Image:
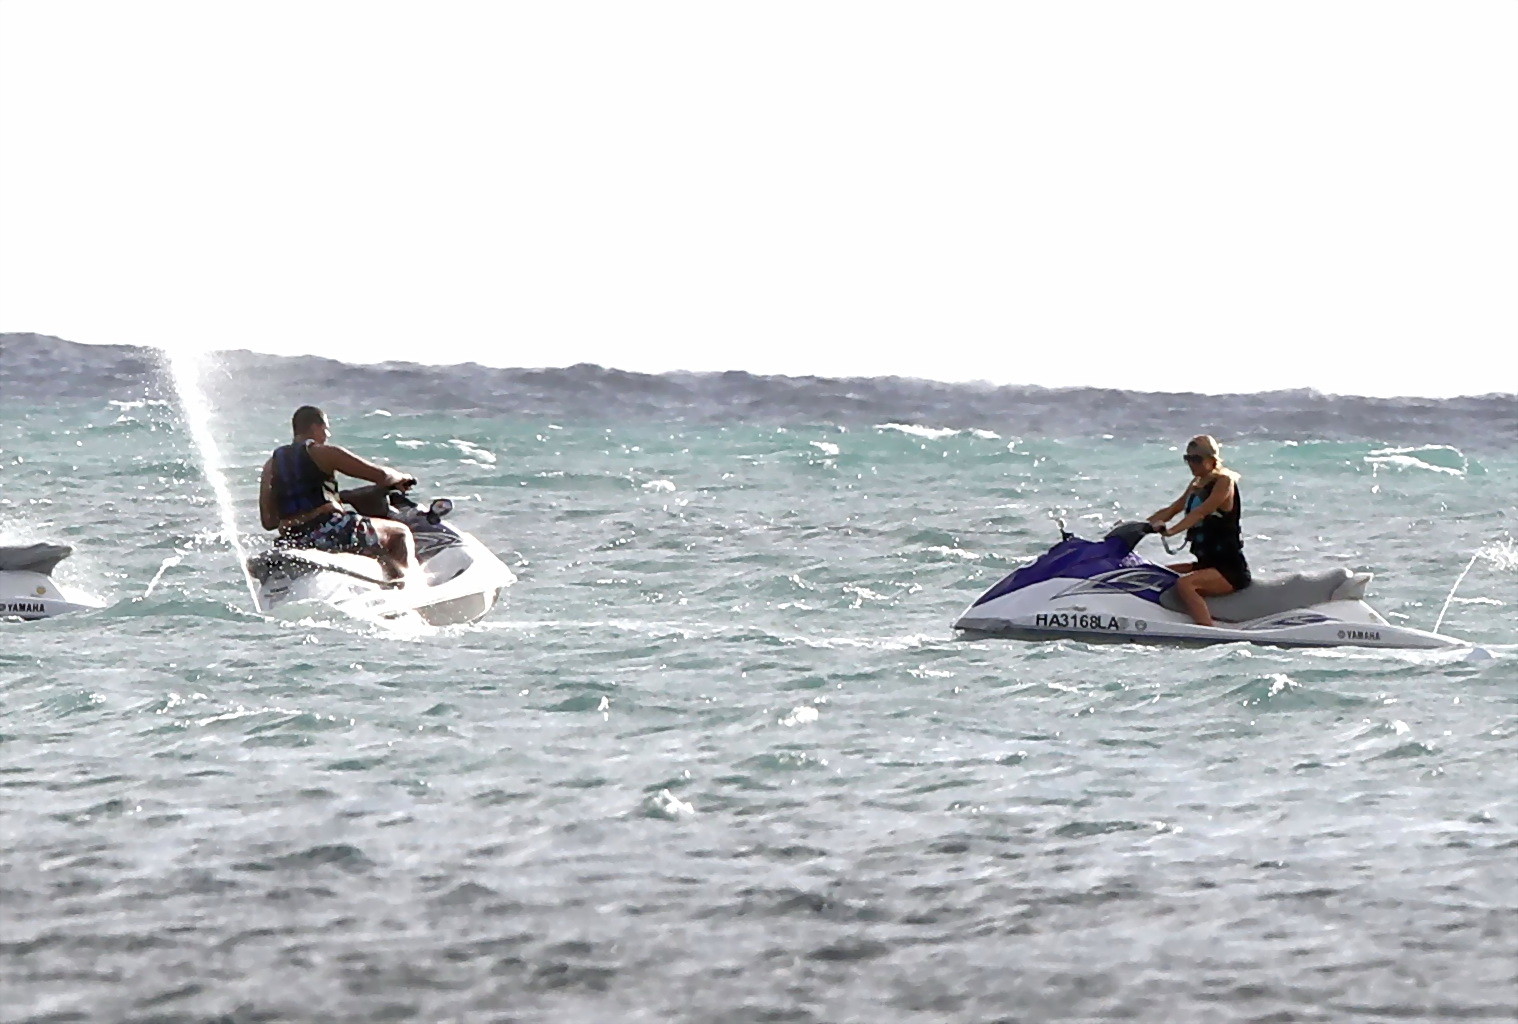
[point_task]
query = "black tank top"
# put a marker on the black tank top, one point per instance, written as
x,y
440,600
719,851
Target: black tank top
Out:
x,y
1217,538
300,482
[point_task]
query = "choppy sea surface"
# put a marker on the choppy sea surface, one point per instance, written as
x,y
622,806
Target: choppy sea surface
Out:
x,y
718,756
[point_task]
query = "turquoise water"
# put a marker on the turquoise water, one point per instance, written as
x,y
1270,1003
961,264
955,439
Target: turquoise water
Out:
x,y
717,756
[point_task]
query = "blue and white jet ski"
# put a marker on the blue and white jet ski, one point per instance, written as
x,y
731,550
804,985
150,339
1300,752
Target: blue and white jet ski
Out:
x,y
1101,590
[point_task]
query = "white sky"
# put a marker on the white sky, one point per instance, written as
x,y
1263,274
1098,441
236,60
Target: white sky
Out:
x,y
1208,196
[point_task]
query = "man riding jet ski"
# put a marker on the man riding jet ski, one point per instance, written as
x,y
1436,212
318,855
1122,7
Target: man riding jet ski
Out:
x,y
383,557
457,579
1102,590
298,496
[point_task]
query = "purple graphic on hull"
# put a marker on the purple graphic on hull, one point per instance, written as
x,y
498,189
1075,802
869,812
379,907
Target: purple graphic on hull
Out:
x,y
1076,559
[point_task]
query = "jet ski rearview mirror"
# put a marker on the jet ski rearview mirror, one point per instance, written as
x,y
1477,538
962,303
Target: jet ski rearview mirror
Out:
x,y
440,507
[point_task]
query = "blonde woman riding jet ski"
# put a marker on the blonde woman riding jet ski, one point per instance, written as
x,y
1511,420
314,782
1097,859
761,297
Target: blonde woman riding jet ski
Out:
x,y
1209,509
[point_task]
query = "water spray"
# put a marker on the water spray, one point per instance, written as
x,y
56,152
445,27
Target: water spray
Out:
x,y
1451,595
1502,555
184,368
167,564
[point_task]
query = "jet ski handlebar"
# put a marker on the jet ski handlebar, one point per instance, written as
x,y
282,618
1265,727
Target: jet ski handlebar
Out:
x,y
1130,533
372,500
377,501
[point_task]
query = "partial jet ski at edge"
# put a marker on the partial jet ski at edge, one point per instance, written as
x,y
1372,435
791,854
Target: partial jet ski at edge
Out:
x,y
27,587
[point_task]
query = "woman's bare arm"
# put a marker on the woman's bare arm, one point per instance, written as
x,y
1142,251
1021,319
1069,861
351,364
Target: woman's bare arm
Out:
x,y
1222,494
1167,513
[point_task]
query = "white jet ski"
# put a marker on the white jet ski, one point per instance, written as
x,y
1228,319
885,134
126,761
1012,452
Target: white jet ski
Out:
x,y
1101,590
459,579
27,587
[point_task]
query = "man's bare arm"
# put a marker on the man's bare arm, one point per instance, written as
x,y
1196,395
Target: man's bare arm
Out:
x,y
268,506
336,459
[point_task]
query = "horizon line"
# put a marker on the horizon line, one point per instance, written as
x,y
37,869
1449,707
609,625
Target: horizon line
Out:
x,y
976,383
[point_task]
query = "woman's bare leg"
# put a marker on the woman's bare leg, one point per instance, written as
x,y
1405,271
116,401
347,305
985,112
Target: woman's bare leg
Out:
x,y
1195,587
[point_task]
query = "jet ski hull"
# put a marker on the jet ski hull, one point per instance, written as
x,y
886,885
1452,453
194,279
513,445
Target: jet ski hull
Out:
x,y
295,581
1109,627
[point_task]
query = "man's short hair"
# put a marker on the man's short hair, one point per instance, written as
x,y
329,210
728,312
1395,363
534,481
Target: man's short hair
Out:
x,y
306,417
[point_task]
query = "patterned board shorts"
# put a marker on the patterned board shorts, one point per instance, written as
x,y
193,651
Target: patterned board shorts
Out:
x,y
340,531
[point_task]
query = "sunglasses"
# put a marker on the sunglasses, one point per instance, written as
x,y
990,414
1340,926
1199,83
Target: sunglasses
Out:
x,y
1196,460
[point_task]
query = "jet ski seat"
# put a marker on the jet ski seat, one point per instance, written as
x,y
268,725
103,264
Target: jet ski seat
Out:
x,y
43,558
1270,597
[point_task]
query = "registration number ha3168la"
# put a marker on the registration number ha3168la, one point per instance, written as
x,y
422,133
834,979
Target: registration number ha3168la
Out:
x,y
1077,620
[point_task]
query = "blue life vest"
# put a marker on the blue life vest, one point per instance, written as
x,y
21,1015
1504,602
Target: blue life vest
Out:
x,y
299,482
1217,538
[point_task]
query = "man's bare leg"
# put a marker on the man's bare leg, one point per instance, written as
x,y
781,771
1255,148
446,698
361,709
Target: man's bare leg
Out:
x,y
400,549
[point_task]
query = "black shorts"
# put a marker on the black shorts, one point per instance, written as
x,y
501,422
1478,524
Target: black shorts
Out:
x,y
1234,570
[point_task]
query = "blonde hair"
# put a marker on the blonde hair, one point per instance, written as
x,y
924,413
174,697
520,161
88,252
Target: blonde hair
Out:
x,y
1206,444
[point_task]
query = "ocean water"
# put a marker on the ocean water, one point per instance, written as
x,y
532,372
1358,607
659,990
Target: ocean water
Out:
x,y
717,756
